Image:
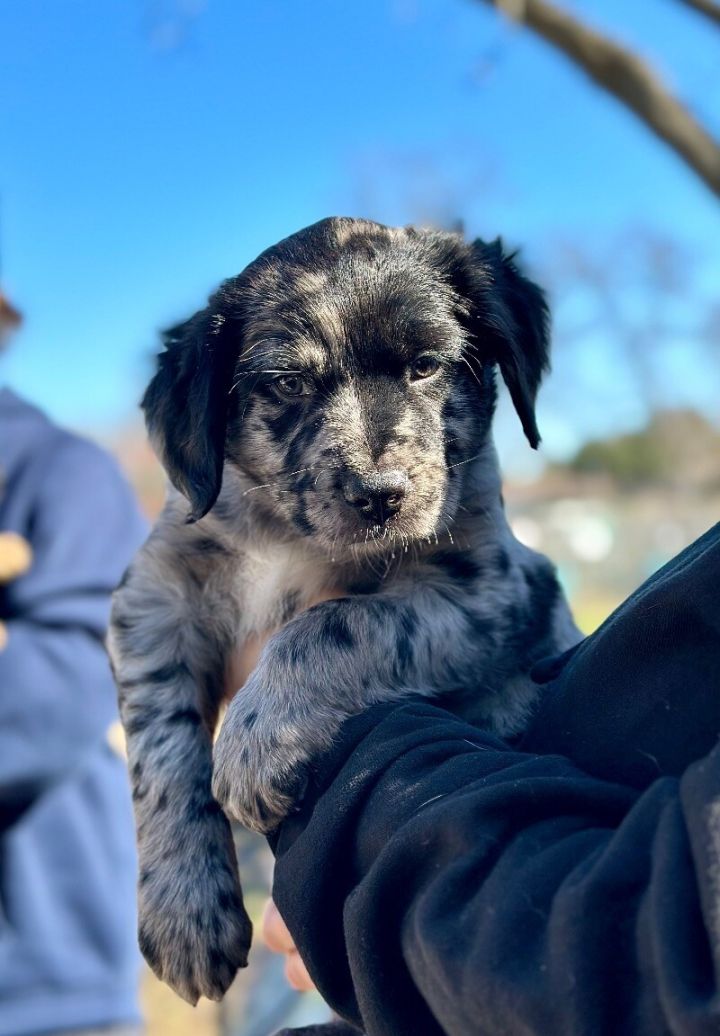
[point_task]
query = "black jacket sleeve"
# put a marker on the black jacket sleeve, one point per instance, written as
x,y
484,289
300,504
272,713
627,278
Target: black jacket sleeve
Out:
x,y
437,880
446,884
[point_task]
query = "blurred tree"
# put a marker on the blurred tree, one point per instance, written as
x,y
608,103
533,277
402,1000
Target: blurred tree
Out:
x,y
627,77
638,297
677,447
429,186
168,24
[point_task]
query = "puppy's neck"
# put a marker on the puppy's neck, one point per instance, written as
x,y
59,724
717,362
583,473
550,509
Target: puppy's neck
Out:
x,y
481,503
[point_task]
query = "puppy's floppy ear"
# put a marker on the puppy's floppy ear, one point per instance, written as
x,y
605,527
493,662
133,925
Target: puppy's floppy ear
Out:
x,y
186,403
510,317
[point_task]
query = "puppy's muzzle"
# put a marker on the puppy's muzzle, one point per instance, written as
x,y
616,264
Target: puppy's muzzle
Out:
x,y
377,497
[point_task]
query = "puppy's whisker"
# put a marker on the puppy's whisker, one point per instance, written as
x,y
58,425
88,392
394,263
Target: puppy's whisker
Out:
x,y
279,480
247,401
467,363
449,534
467,460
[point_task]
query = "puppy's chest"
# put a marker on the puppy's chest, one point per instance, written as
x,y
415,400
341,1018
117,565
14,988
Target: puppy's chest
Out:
x,y
275,583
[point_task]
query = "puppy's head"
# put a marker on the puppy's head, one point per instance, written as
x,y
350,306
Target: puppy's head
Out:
x,y
348,373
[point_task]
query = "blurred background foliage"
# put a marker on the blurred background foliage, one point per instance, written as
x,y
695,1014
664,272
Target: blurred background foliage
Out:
x,y
152,147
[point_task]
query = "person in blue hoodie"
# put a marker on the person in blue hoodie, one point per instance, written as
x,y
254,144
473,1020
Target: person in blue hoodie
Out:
x,y
68,955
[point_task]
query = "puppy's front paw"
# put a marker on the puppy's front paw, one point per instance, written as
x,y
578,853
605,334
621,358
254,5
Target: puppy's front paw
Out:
x,y
194,931
253,784
260,761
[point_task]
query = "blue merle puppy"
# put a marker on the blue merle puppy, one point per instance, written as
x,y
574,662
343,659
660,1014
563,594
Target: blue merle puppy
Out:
x,y
325,424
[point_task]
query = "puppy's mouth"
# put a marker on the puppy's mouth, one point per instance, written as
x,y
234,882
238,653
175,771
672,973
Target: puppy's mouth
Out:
x,y
382,513
352,515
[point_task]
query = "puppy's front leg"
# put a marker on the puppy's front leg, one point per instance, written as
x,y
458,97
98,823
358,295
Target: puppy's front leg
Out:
x,y
193,929
325,665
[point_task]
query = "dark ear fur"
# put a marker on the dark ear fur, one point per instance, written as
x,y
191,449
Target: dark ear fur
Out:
x,y
510,318
186,404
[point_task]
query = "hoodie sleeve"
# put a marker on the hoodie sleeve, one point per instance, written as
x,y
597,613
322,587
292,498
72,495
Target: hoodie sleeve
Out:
x,y
57,697
439,882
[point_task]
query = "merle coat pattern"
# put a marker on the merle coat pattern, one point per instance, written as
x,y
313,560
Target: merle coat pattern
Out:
x,y
325,423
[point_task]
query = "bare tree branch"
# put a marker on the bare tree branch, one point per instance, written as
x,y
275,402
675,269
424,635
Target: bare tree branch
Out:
x,y
627,77
710,9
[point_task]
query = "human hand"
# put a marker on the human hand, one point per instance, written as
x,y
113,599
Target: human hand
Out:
x,y
15,556
277,938
15,559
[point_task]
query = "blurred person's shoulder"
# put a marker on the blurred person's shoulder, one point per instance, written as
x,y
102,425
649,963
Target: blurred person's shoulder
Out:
x,y
24,428
26,432
38,453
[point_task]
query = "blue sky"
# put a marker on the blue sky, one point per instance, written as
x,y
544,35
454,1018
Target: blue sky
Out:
x,y
150,149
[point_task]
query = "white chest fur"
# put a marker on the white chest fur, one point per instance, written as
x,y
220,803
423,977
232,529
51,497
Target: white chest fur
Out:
x,y
276,580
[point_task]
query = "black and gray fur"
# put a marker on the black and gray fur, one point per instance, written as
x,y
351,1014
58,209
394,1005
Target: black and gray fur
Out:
x,y
325,423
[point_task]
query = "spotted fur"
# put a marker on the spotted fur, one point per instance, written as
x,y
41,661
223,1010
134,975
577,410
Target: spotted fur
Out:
x,y
325,424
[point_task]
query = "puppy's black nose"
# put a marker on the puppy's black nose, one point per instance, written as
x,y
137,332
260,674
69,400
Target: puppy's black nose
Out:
x,y
377,497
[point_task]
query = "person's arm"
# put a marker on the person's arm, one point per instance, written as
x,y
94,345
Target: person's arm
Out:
x,y
57,696
437,880
442,883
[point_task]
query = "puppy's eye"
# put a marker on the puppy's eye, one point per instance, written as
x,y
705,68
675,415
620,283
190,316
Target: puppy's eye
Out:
x,y
292,385
424,366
